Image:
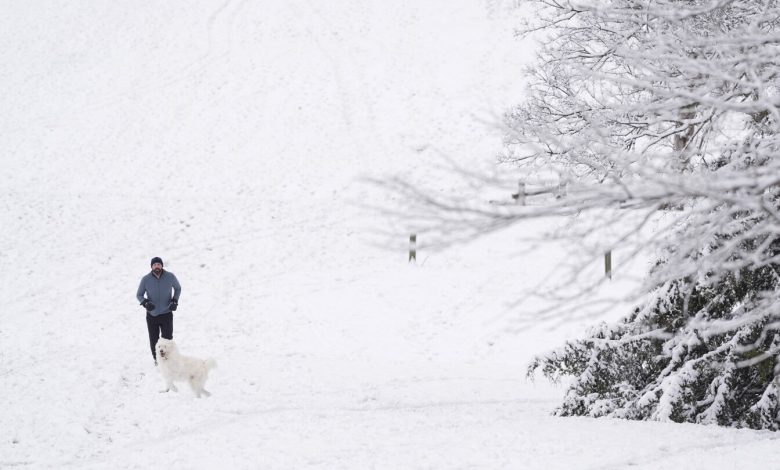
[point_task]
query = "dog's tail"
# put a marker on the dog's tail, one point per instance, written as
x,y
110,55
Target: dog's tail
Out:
x,y
210,363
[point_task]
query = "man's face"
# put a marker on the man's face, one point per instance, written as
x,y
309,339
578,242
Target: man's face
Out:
x,y
157,268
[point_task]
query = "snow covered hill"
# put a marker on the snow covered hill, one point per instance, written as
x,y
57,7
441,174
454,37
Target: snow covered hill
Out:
x,y
229,137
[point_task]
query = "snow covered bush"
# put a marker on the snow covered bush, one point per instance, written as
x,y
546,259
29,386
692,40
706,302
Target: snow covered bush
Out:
x,y
699,351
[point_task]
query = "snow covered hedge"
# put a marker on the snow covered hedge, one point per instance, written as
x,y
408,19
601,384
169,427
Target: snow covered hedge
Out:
x,y
697,352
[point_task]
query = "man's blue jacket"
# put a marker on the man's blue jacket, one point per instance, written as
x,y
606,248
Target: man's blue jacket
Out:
x,y
159,291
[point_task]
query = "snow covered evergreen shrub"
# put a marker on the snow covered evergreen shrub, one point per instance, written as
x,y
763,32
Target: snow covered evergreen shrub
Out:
x,y
699,351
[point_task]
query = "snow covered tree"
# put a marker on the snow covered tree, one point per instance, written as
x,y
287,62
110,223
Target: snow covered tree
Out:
x,y
661,113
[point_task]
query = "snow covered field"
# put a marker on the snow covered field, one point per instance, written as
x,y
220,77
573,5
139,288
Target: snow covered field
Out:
x,y
229,137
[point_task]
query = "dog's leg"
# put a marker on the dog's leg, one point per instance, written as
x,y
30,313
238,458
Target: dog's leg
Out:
x,y
169,386
197,384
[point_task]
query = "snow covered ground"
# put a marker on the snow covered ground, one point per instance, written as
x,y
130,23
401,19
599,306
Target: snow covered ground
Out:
x,y
229,137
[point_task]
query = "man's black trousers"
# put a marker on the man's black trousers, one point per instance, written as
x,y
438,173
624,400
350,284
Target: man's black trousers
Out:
x,y
161,325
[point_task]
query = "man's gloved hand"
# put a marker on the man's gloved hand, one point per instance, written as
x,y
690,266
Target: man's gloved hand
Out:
x,y
149,306
173,305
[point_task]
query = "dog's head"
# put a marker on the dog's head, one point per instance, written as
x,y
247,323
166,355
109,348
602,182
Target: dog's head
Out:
x,y
166,348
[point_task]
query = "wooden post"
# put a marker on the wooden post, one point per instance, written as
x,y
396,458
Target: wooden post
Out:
x,y
520,196
608,264
560,191
413,248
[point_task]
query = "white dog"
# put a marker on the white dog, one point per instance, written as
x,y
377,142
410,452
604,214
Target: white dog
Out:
x,y
176,367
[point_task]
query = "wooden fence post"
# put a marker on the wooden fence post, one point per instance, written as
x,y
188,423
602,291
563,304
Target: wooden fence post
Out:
x,y
519,197
560,191
413,248
608,264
